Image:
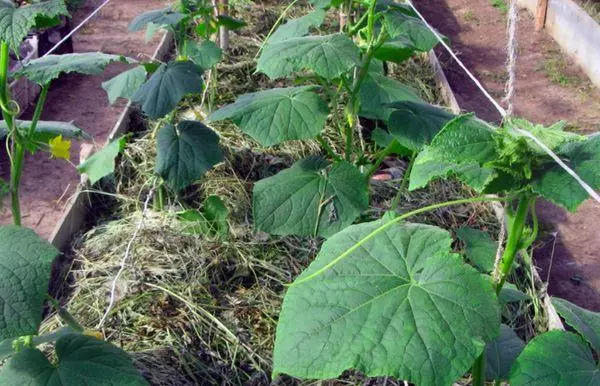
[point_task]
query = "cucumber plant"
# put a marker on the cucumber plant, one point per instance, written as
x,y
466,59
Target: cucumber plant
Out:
x,y
81,356
185,149
321,196
387,297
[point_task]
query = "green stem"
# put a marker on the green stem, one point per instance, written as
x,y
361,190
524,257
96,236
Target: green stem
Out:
x,y
513,242
478,371
405,179
513,245
39,107
387,151
65,315
328,149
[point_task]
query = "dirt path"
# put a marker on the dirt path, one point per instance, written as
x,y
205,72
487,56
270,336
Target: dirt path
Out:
x,y
550,88
48,184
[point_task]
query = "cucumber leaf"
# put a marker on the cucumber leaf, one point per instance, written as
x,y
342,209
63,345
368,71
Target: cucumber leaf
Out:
x,y
277,115
165,17
388,300
310,198
501,352
328,56
384,139
125,84
556,185
377,91
586,323
480,248
82,360
185,152
230,22
298,27
415,124
466,139
15,23
205,54
511,294
430,165
26,261
555,358
45,69
102,163
167,86
398,23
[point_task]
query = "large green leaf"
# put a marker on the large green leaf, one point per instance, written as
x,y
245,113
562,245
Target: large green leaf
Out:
x,y
555,358
377,91
167,86
205,54
102,163
25,265
277,115
160,17
480,248
15,23
185,152
430,164
585,322
466,139
297,27
400,24
125,84
553,136
310,198
415,124
559,187
82,360
386,299
328,56
46,130
501,352
47,68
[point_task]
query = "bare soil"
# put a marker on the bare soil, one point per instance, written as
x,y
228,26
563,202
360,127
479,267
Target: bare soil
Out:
x,y
550,87
48,184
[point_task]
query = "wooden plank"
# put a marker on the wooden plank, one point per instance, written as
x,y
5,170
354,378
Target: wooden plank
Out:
x,y
76,212
442,83
540,14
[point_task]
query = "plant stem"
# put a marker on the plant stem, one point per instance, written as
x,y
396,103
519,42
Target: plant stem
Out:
x,y
279,20
405,178
387,151
65,315
328,149
478,371
513,242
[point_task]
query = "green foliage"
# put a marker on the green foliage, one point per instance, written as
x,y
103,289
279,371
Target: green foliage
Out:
x,y
185,152
166,17
16,22
555,358
205,54
586,323
277,115
102,163
415,124
125,84
167,86
81,360
386,299
511,294
298,27
328,56
378,91
480,248
50,67
210,220
26,260
310,198
501,353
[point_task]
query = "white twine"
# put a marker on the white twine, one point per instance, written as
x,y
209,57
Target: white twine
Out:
x,y
511,65
79,26
123,264
501,110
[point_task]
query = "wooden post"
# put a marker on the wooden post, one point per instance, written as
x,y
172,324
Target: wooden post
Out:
x,y
224,31
540,14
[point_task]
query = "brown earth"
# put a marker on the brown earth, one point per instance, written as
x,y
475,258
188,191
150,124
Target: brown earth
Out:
x,y
48,184
550,87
